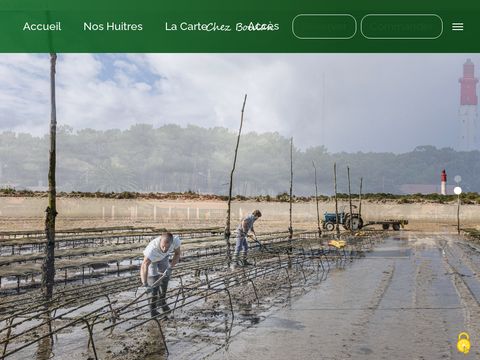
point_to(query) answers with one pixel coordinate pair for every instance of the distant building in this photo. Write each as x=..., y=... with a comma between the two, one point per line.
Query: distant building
x=443, y=183
x=468, y=108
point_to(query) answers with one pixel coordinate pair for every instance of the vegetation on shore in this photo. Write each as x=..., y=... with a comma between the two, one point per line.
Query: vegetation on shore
x=473, y=233
x=466, y=198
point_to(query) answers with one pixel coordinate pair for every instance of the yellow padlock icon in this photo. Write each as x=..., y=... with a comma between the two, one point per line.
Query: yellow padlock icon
x=463, y=344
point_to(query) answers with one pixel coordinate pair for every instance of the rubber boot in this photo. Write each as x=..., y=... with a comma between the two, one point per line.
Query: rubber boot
x=153, y=306
x=244, y=259
x=236, y=261
x=153, y=311
x=163, y=293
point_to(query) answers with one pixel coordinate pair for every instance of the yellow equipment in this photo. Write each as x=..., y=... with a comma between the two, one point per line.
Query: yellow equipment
x=339, y=244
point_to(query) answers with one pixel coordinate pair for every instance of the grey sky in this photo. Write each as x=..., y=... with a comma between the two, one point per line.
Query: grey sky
x=373, y=102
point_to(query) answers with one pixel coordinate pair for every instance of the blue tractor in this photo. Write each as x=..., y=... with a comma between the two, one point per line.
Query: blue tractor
x=330, y=220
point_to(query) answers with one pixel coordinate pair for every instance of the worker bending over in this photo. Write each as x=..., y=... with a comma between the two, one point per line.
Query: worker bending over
x=245, y=226
x=156, y=266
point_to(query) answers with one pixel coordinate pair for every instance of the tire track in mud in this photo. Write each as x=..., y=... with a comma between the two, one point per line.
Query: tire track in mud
x=468, y=255
x=462, y=268
x=359, y=335
x=408, y=323
x=430, y=327
x=413, y=318
x=420, y=282
x=468, y=299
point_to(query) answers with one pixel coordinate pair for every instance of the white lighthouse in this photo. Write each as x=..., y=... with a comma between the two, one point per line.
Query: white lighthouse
x=468, y=108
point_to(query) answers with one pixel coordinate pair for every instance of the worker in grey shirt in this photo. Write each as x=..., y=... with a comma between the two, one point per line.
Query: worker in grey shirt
x=155, y=265
x=245, y=226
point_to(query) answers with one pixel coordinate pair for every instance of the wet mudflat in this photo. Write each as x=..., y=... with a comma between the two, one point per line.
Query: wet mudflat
x=407, y=299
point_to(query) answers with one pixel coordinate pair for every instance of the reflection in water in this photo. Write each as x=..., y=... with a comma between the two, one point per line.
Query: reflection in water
x=44, y=350
x=286, y=323
x=228, y=331
x=246, y=312
x=324, y=275
x=45, y=345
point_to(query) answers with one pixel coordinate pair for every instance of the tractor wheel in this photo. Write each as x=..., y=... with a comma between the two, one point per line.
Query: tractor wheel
x=346, y=222
x=385, y=226
x=360, y=223
x=396, y=227
x=330, y=226
x=352, y=224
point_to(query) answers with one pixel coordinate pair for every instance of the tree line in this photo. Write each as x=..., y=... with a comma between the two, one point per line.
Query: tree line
x=172, y=158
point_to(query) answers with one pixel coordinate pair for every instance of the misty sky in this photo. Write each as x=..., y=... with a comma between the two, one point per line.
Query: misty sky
x=347, y=102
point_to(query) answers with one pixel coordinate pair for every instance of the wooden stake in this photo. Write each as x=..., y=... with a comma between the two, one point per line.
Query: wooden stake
x=227, y=225
x=337, y=226
x=360, y=199
x=316, y=200
x=350, y=199
x=290, y=228
x=48, y=266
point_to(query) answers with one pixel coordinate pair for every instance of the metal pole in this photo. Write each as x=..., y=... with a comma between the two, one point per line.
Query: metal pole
x=458, y=215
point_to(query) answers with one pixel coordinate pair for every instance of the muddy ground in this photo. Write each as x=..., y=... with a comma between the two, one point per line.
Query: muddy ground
x=408, y=299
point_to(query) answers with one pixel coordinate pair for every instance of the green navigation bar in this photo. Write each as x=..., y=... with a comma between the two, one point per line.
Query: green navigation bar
x=214, y=26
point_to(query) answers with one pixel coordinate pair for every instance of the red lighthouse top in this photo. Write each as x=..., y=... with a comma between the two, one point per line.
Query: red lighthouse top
x=444, y=176
x=468, y=90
